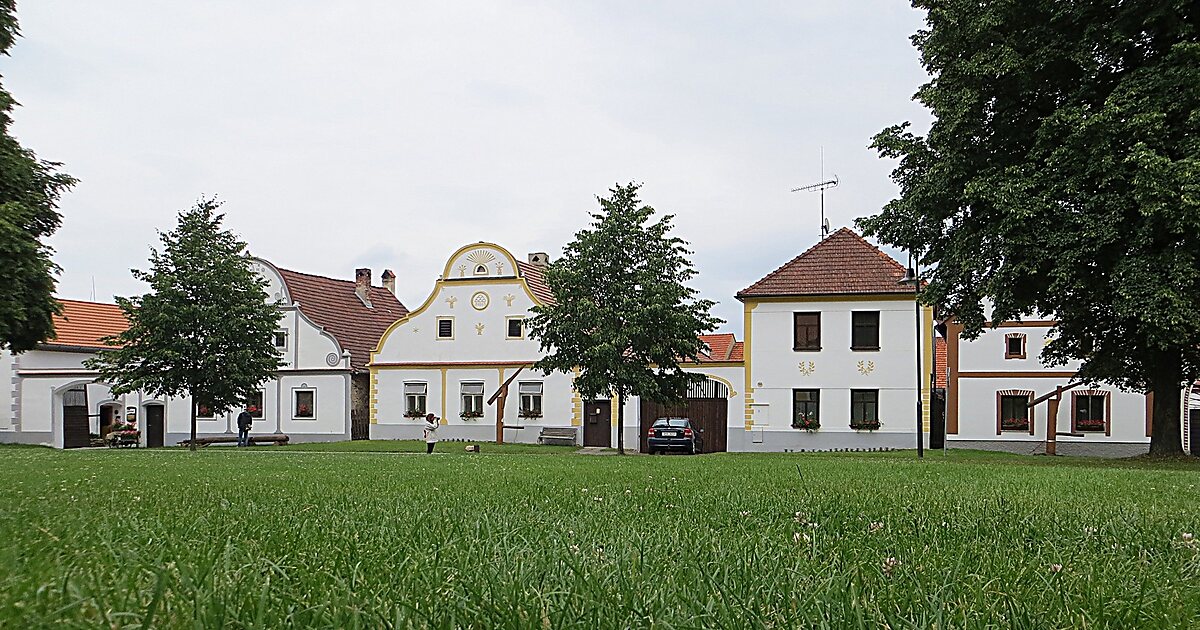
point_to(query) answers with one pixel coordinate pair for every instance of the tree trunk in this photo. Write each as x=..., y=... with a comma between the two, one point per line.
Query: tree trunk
x=192, y=444
x=1165, y=440
x=620, y=423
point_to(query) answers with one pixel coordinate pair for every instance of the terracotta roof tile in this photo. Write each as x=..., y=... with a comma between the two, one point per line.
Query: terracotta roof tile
x=333, y=305
x=724, y=348
x=844, y=263
x=84, y=324
x=939, y=362
x=536, y=280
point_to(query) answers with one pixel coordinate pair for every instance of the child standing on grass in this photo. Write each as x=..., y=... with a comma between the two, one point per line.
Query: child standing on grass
x=431, y=427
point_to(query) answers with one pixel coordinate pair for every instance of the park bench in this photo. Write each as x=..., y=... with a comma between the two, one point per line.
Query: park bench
x=557, y=435
x=277, y=439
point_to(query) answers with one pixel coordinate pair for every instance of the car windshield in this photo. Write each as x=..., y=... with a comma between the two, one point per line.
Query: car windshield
x=681, y=423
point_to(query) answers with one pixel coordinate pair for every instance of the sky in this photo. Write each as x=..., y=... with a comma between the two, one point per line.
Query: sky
x=387, y=134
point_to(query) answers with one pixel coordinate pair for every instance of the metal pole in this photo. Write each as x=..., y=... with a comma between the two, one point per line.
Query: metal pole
x=917, y=310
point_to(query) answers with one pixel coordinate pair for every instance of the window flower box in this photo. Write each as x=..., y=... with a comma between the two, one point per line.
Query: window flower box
x=471, y=415
x=414, y=414
x=808, y=424
x=1089, y=425
x=529, y=413
x=866, y=425
x=1014, y=424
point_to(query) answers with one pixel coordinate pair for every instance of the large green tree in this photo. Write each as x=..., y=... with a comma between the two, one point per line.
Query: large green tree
x=623, y=314
x=29, y=193
x=204, y=329
x=1061, y=177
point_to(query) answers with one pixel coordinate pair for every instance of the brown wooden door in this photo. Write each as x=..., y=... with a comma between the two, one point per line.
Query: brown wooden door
x=155, y=429
x=709, y=416
x=597, y=423
x=75, y=427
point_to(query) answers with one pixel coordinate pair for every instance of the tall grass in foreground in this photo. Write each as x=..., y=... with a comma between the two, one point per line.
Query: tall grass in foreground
x=275, y=539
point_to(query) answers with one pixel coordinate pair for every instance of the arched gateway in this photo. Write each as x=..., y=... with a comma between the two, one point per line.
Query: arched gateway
x=706, y=405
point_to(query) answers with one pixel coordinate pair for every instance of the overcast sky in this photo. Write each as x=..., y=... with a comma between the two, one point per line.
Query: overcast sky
x=387, y=134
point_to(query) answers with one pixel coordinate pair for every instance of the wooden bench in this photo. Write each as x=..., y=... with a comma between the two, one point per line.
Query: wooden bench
x=277, y=439
x=554, y=435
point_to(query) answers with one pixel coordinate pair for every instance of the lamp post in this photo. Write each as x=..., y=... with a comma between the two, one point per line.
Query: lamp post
x=912, y=276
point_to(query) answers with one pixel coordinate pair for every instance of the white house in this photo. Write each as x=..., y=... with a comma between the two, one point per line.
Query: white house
x=449, y=355
x=991, y=380
x=325, y=330
x=830, y=352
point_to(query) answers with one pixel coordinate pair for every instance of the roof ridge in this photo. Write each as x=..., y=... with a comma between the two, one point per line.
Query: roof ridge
x=815, y=271
x=87, y=302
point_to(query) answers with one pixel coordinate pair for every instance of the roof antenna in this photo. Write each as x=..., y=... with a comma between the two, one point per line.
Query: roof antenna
x=821, y=186
x=93, y=288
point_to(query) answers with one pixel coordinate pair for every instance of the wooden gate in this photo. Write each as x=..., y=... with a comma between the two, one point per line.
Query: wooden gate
x=597, y=423
x=75, y=418
x=709, y=416
x=155, y=426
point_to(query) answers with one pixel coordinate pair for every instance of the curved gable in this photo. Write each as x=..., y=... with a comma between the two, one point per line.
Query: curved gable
x=276, y=289
x=480, y=260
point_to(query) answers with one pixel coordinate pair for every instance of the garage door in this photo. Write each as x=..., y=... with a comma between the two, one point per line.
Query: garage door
x=707, y=406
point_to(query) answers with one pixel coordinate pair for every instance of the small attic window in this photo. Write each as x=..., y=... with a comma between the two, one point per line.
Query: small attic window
x=481, y=270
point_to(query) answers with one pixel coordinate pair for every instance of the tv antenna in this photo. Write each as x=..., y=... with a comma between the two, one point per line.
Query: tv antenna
x=821, y=187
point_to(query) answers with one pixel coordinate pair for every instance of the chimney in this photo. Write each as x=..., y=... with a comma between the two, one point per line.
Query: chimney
x=539, y=259
x=362, y=285
x=389, y=281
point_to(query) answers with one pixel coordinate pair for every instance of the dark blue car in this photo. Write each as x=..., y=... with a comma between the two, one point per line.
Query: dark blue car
x=673, y=434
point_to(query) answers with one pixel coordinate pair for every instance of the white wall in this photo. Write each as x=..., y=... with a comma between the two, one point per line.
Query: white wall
x=8, y=390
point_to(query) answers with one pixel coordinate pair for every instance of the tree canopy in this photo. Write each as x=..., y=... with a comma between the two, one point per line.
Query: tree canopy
x=623, y=315
x=29, y=192
x=1061, y=177
x=204, y=329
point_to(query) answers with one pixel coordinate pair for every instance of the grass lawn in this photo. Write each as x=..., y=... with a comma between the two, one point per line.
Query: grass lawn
x=276, y=537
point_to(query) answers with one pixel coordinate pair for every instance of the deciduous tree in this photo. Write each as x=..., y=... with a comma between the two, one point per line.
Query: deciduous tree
x=29, y=193
x=1061, y=177
x=204, y=328
x=623, y=314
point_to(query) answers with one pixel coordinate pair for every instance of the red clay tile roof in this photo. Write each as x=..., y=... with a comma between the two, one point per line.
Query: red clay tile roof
x=736, y=353
x=939, y=362
x=844, y=263
x=724, y=348
x=84, y=324
x=537, y=282
x=333, y=305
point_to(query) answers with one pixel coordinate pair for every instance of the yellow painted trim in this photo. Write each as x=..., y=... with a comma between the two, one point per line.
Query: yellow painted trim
x=437, y=291
x=576, y=402
x=444, y=370
x=373, y=394
x=508, y=318
x=512, y=262
x=857, y=297
x=712, y=364
x=927, y=365
x=437, y=328
x=747, y=350
x=612, y=411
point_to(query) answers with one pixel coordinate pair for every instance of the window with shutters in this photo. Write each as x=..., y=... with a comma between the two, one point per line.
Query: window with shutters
x=807, y=333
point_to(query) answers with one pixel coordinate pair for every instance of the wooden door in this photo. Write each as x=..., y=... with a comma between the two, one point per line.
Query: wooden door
x=709, y=417
x=155, y=429
x=75, y=426
x=597, y=423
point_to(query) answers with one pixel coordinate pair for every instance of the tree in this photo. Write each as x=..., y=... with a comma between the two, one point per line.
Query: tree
x=622, y=313
x=29, y=193
x=1061, y=177
x=205, y=326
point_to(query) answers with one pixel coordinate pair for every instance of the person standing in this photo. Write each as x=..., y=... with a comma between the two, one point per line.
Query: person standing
x=431, y=427
x=244, y=422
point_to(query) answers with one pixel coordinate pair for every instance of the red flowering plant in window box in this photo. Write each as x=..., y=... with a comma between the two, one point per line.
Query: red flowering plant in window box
x=808, y=423
x=866, y=425
x=1089, y=425
x=1014, y=424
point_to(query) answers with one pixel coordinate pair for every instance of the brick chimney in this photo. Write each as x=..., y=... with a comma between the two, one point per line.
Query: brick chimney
x=362, y=285
x=539, y=259
x=389, y=281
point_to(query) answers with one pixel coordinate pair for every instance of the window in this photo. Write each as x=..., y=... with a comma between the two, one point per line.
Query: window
x=1089, y=412
x=254, y=404
x=806, y=408
x=304, y=403
x=445, y=328
x=1013, y=410
x=864, y=333
x=472, y=400
x=1014, y=346
x=280, y=339
x=807, y=335
x=531, y=399
x=481, y=270
x=204, y=412
x=864, y=409
x=414, y=399
x=516, y=328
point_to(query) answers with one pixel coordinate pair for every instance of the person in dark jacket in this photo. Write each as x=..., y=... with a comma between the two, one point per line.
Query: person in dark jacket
x=244, y=422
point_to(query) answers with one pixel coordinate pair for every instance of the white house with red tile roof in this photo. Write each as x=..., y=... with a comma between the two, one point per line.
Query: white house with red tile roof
x=830, y=352
x=324, y=337
x=452, y=353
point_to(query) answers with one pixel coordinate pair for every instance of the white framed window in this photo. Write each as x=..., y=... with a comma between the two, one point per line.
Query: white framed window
x=514, y=327
x=414, y=399
x=254, y=404
x=280, y=339
x=204, y=412
x=304, y=404
x=531, y=399
x=472, y=399
x=445, y=328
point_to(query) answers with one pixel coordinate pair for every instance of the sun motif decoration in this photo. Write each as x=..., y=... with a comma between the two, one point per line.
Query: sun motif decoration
x=807, y=368
x=866, y=367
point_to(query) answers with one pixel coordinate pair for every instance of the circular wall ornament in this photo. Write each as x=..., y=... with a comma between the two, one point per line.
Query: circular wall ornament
x=332, y=359
x=480, y=300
